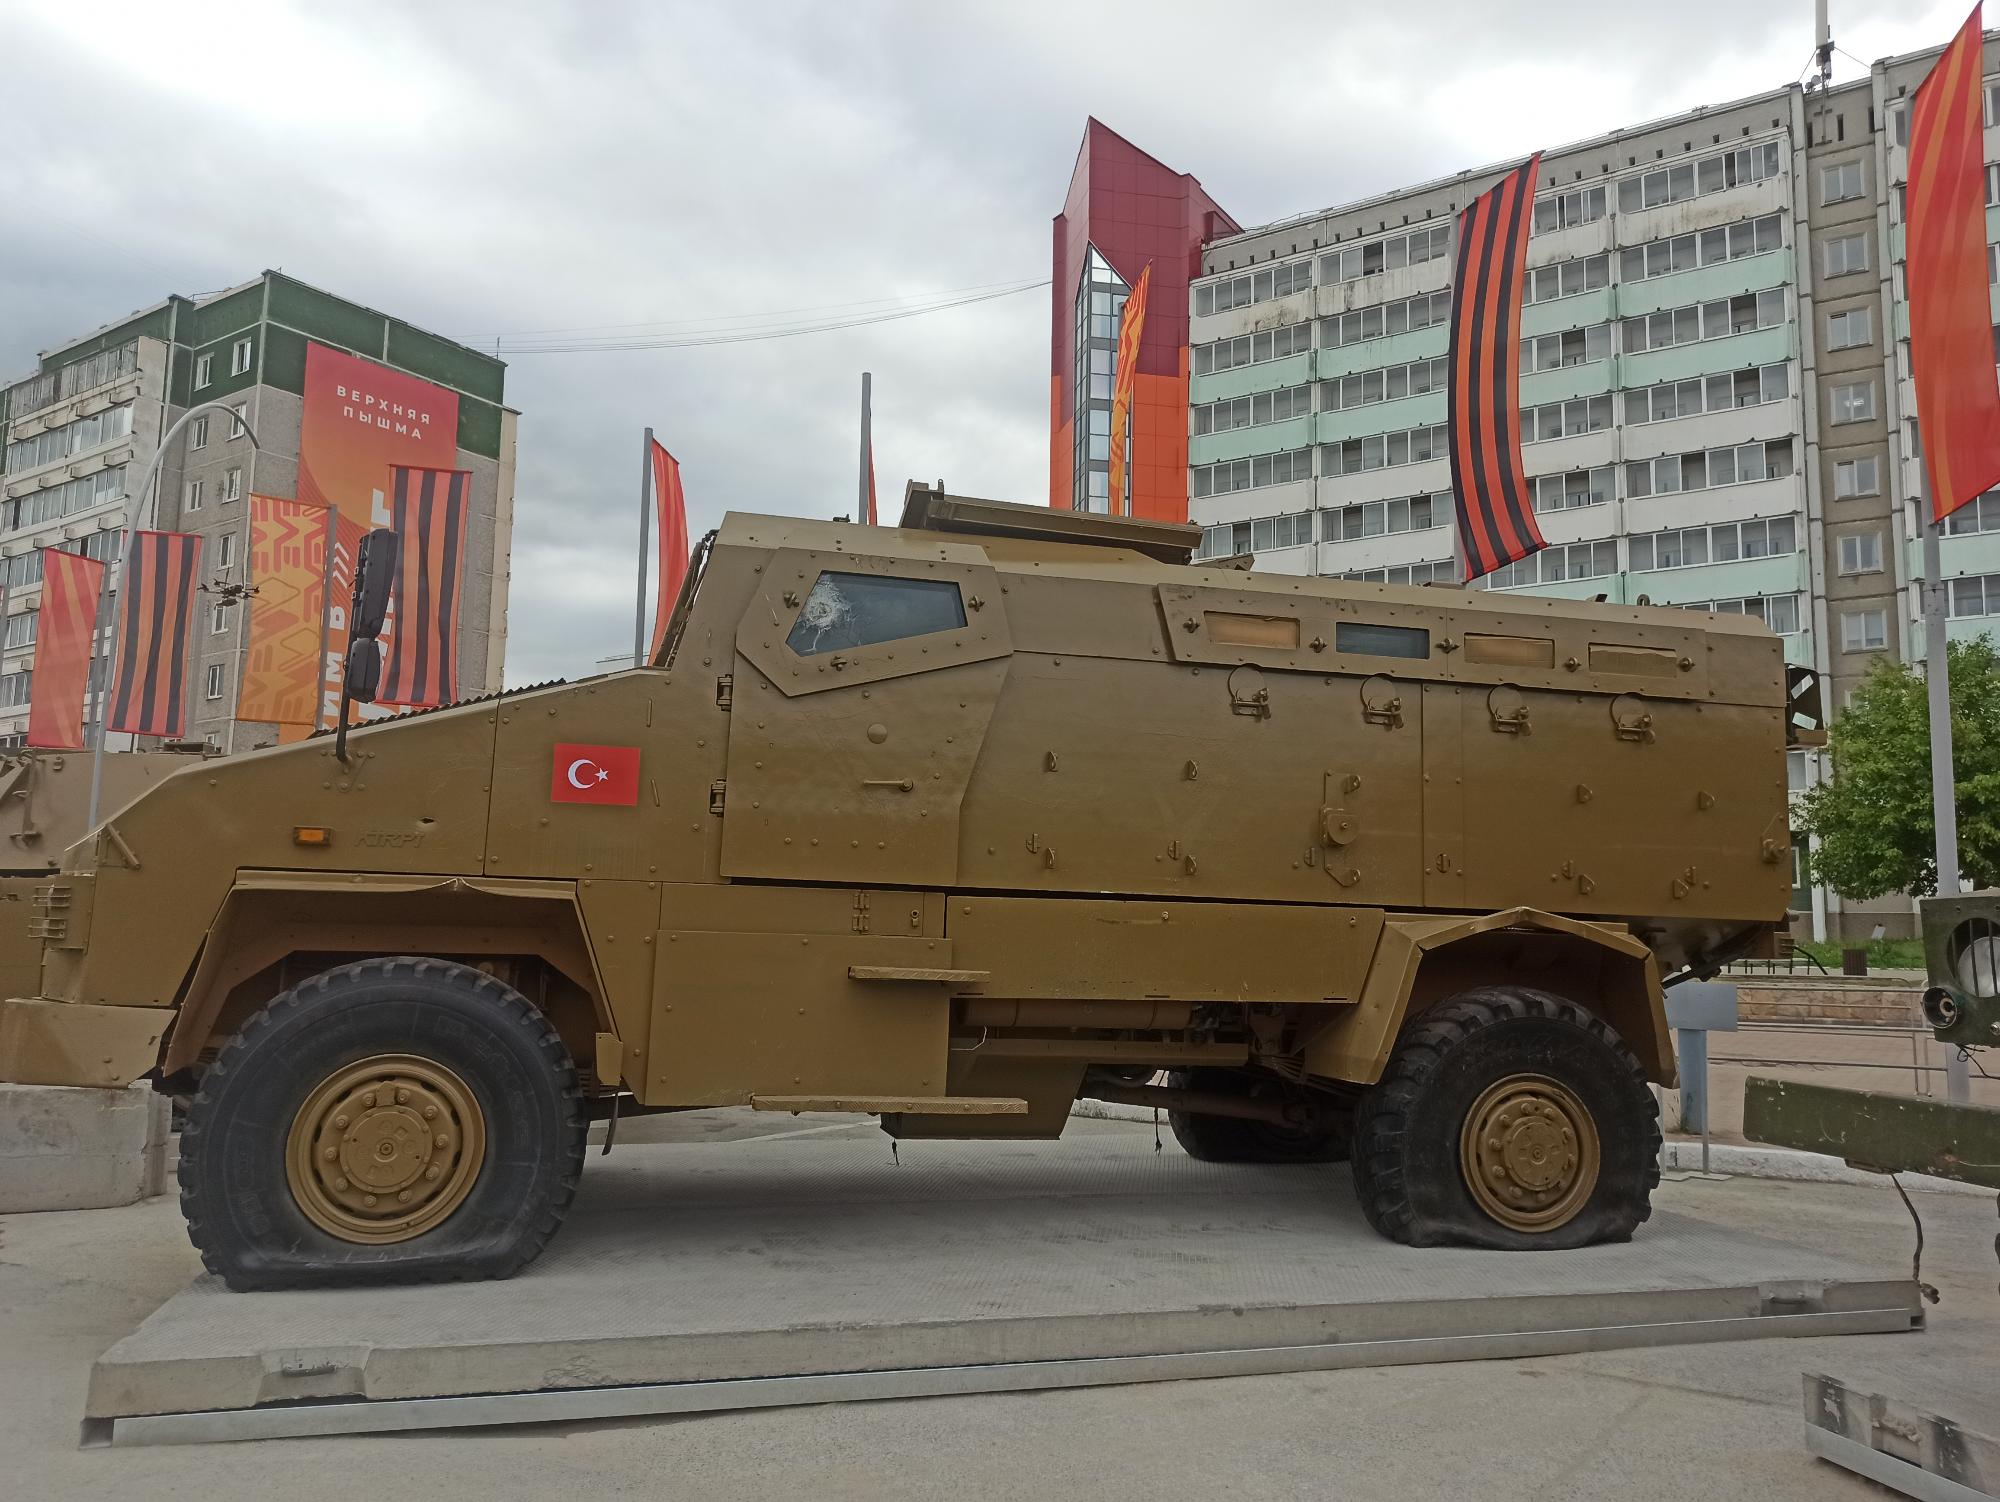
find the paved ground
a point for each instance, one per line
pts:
(1712, 1422)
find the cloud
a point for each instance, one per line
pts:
(485, 169)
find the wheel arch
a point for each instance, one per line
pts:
(275, 927)
(1420, 961)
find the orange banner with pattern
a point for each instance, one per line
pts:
(288, 541)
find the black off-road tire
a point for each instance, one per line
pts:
(241, 1212)
(1232, 1139)
(1407, 1156)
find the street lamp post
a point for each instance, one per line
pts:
(135, 505)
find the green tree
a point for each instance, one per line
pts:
(1871, 825)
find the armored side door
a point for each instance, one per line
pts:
(862, 693)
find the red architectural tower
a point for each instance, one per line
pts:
(1124, 209)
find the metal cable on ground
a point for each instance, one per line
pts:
(1916, 1257)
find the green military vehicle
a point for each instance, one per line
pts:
(950, 824)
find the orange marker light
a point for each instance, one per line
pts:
(311, 834)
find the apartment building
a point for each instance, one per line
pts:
(80, 433)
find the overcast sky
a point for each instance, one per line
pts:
(489, 169)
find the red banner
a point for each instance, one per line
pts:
(358, 419)
(1496, 518)
(149, 657)
(1131, 326)
(670, 507)
(428, 510)
(288, 541)
(1951, 343)
(70, 586)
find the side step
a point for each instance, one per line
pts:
(878, 1105)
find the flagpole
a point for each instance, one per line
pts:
(1944, 788)
(645, 537)
(867, 447)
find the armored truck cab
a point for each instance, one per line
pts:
(950, 824)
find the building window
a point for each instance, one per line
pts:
(99, 545)
(1431, 243)
(1552, 565)
(1849, 328)
(21, 629)
(1365, 388)
(204, 371)
(213, 685)
(1853, 477)
(1975, 594)
(1251, 474)
(232, 484)
(1566, 210)
(1566, 278)
(1981, 514)
(198, 432)
(1268, 533)
(240, 423)
(1779, 612)
(1861, 553)
(239, 357)
(1252, 411)
(1852, 402)
(1840, 183)
(1568, 491)
(1386, 450)
(1725, 316)
(70, 439)
(1404, 316)
(1252, 349)
(1590, 414)
(1573, 347)
(1684, 180)
(225, 550)
(1844, 254)
(1727, 542)
(1262, 286)
(1443, 571)
(1725, 242)
(1708, 469)
(1864, 631)
(191, 496)
(218, 620)
(1381, 518)
(1716, 393)
(14, 690)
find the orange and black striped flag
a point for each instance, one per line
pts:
(428, 510)
(149, 663)
(1496, 517)
(62, 649)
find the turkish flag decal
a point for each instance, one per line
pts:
(595, 774)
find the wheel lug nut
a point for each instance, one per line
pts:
(403, 1198)
(340, 1123)
(368, 1099)
(330, 1154)
(433, 1171)
(340, 1186)
(430, 1113)
(402, 1097)
(443, 1141)
(368, 1200)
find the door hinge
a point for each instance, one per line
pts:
(725, 691)
(716, 792)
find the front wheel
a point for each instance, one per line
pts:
(1512, 1119)
(393, 1120)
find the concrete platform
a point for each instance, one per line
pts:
(69, 1149)
(799, 1269)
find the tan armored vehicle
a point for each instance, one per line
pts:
(950, 824)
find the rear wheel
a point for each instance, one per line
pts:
(1512, 1119)
(395, 1120)
(1232, 1139)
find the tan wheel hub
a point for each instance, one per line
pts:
(1529, 1152)
(384, 1149)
